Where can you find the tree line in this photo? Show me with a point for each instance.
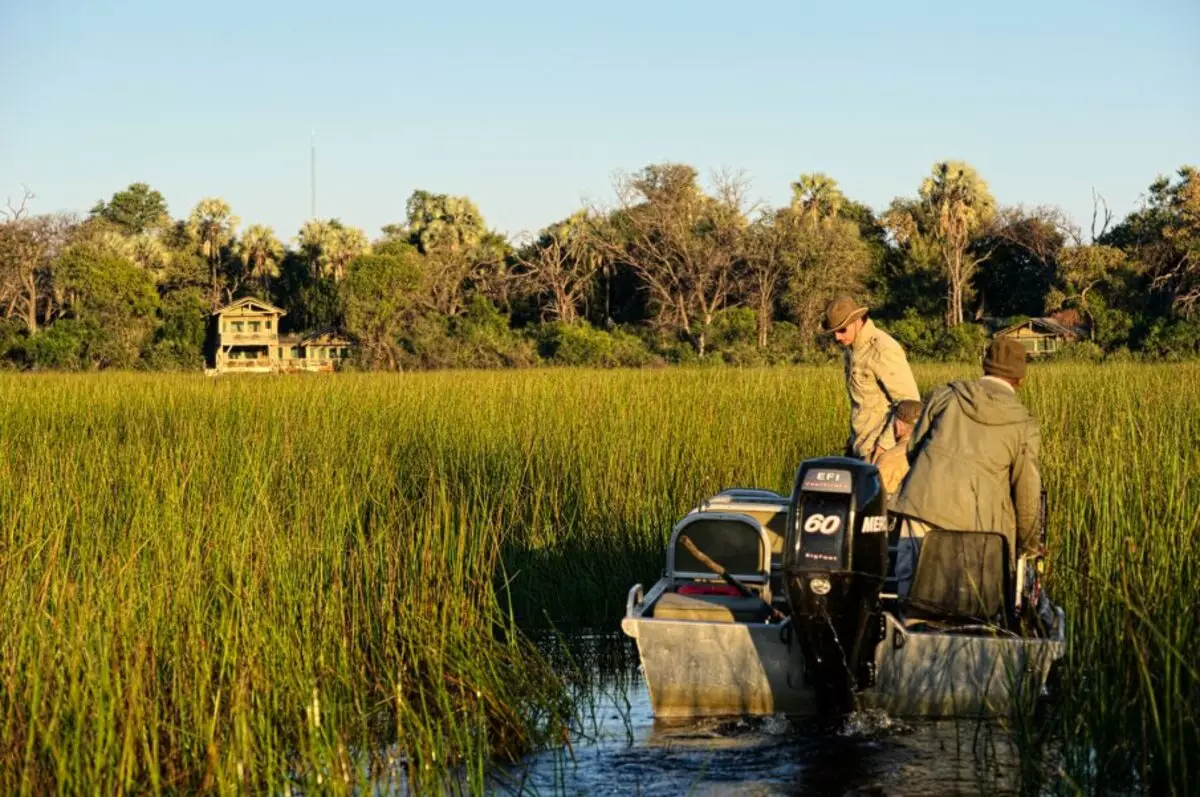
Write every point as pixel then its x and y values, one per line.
pixel 669 271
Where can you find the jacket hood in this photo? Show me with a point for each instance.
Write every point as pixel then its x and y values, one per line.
pixel 989 405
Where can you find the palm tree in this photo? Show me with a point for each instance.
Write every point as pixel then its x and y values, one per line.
pixel 150 253
pixel 330 246
pixel 817 196
pixel 212 225
pixel 960 205
pixel 261 251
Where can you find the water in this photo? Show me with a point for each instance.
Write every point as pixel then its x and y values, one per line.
pixel 619 748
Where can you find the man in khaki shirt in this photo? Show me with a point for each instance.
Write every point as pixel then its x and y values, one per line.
pixel 877 376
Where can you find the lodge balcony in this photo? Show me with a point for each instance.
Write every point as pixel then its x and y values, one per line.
pixel 266 338
pixel 265 364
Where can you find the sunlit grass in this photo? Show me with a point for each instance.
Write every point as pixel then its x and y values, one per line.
pixel 193 571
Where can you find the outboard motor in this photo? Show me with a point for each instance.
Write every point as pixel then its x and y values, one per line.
pixel 835 560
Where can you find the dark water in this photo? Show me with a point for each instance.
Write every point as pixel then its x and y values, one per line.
pixel 619 748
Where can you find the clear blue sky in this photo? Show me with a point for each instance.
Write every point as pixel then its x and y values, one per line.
pixel 528 107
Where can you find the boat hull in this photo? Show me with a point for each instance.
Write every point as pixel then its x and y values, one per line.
pixel 695 668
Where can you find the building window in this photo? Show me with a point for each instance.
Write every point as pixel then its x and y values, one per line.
pixel 254 326
pixel 268 324
pixel 236 326
pixel 295 353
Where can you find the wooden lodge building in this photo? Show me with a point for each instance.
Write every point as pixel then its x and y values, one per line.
pixel 248 341
pixel 1044 335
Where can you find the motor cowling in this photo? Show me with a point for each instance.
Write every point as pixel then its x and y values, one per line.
pixel 835 560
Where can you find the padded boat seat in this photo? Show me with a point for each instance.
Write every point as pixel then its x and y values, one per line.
pixel 962 577
pixel 709 608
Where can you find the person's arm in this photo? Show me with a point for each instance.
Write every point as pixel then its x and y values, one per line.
pixel 1027 491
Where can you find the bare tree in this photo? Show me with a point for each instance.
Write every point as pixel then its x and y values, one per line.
pixel 561 264
pixel 684 245
pixel 28 244
pixel 1101 214
pixel 1175 262
pixel 767 263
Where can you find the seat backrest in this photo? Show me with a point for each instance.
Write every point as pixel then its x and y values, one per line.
pixel 770 514
pixel 962 576
pixel 735 541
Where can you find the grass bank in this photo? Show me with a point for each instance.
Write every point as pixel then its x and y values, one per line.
pixel 193 571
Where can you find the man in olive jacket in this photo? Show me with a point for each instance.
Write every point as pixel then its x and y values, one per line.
pixel 974 458
pixel 877 376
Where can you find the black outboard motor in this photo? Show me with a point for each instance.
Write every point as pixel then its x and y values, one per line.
pixel 834 564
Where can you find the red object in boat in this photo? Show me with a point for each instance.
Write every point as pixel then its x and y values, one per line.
pixel 708 589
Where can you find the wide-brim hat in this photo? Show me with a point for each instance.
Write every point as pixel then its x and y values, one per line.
pixel 841 313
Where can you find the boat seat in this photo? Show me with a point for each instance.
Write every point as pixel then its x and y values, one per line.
pixel 708 608
pixel 735 541
pixel 962 577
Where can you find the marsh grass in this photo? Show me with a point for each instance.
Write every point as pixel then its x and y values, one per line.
pixel 229 584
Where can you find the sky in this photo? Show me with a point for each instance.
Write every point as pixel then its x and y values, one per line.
pixel 533 108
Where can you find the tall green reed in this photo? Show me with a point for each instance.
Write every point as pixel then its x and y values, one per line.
pixel 196 556
pixel 219 586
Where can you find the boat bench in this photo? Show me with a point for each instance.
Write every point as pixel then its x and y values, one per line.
pixel 708 608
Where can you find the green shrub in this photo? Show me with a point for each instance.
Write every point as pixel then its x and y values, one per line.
pixel 927 338
pixel 1083 351
pixel 489 340
pixel 1121 355
pixel 583 345
pixel 735 327
pixel 918 334
pixel 1173 339
pixel 480 338
pixel 963 343
pixel 172 355
pixel 787 344
pixel 59 346
pixel 574 344
pixel 631 351
pixel 12 343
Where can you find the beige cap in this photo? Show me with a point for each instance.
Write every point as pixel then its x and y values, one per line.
pixel 1005 357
